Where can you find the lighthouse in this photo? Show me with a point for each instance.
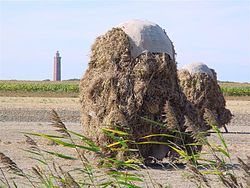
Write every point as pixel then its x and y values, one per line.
pixel 57 67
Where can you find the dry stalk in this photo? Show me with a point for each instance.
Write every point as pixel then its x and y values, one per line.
pixel 4 180
pixel 10 165
pixel 170 118
pixel 39 173
pixel 61 128
pixel 57 123
pixel 198 176
pixel 30 141
pixel 246 168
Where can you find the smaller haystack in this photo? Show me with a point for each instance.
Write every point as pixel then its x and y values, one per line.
pixel 199 84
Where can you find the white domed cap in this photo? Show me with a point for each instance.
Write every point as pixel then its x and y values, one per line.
pixel 147 36
pixel 198 68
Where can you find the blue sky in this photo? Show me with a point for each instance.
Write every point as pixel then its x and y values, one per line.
pixel 214 32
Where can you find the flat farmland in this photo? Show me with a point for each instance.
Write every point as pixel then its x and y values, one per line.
pixel 32 114
pixel 235 89
pixel 13 88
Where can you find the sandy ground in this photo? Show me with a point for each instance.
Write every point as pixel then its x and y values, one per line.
pixel 20 114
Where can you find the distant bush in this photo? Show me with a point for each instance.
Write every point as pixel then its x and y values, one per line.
pixel 73 79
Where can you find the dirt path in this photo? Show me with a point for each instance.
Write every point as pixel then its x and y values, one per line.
pixel 37 109
pixel 32 115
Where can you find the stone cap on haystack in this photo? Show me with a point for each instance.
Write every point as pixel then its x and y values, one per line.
pixel 198 67
pixel 145 36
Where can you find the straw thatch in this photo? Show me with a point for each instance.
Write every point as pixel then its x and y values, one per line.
pixel 199 84
pixel 118 90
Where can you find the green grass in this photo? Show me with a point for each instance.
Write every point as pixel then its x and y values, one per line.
pixel 235 89
pixel 40 86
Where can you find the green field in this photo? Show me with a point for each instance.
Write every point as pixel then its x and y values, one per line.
pixel 71 88
pixel 235 89
pixel 39 88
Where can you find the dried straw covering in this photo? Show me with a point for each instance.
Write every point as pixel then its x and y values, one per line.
pixel 204 93
pixel 116 91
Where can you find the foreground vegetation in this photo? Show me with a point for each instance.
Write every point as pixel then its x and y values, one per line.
pixel 71 88
pixel 112 172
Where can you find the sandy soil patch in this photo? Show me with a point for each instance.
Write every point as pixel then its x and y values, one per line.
pixel 31 115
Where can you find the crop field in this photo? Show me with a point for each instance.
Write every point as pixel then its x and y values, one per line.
pixel 71 88
pixel 39 88
pixel 235 89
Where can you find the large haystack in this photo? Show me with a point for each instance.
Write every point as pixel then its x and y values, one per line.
pixel 132 74
pixel 199 83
